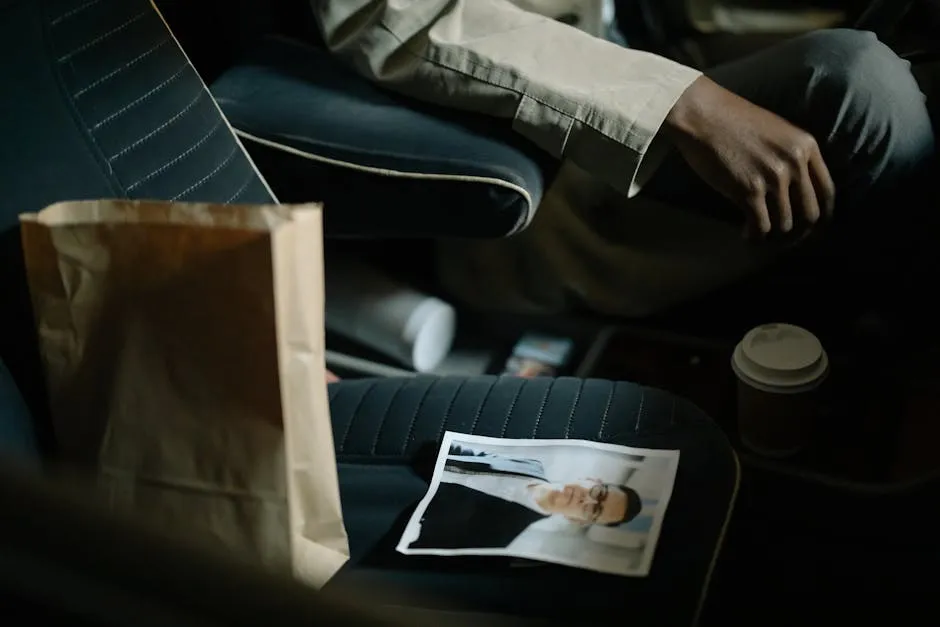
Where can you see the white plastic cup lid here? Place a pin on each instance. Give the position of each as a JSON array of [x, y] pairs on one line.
[[429, 334], [780, 358]]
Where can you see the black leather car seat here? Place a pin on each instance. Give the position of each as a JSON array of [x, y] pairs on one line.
[[99, 101]]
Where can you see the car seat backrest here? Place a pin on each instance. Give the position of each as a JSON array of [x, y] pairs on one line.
[[98, 100]]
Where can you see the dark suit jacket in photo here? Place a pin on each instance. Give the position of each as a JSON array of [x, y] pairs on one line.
[[459, 517]]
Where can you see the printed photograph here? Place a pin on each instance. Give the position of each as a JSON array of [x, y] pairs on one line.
[[582, 504]]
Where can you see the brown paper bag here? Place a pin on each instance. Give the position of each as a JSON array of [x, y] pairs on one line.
[[183, 347]]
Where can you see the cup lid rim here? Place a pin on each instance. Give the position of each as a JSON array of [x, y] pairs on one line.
[[804, 369]]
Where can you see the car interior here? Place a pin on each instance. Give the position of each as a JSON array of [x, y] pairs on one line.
[[240, 102]]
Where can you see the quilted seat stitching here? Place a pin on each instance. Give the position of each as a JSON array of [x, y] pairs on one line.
[[167, 124], [538, 416], [210, 175], [123, 68], [92, 130], [612, 389], [414, 418], [637, 417], [639, 411], [355, 413], [241, 190], [73, 12], [450, 408], [142, 99], [388, 412], [510, 409], [97, 40], [178, 158], [479, 412], [574, 407]]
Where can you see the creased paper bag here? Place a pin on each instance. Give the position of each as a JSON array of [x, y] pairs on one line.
[[183, 347]]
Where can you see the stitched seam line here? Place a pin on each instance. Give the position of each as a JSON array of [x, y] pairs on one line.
[[538, 416], [178, 158], [160, 128], [450, 408], [639, 411], [81, 92], [272, 197], [388, 411], [414, 418], [143, 98], [79, 117], [241, 190], [208, 176], [610, 400], [355, 413], [574, 407], [476, 417], [97, 40], [512, 407], [73, 12]]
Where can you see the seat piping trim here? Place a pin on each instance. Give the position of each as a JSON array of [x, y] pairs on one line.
[[463, 178]]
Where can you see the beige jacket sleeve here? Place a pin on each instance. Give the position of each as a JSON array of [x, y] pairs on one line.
[[576, 96]]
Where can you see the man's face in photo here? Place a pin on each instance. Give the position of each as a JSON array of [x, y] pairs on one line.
[[586, 502]]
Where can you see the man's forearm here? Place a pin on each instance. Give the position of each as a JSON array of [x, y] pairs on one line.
[[574, 95]]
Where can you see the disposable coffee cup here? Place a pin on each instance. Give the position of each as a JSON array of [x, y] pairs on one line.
[[363, 304], [781, 369]]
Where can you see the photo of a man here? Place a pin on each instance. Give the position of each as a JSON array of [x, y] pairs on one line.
[[584, 504], [486, 500]]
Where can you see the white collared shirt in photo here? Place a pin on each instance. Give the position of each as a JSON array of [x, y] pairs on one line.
[[508, 488]]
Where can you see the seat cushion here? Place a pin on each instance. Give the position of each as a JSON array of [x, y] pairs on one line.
[[382, 164], [387, 432]]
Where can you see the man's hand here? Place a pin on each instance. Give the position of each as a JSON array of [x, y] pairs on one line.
[[766, 166]]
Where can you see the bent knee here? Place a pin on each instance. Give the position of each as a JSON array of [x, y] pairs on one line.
[[875, 98], [854, 58]]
